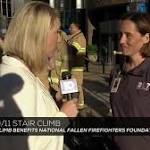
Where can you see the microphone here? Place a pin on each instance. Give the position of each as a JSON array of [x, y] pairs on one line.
[[66, 75], [68, 86]]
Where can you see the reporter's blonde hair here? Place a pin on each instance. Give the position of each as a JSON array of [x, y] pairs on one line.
[[27, 33]]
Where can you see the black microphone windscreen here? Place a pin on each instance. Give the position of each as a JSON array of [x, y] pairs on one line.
[[66, 75]]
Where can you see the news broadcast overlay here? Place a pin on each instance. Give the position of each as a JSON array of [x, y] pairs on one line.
[[78, 126], [68, 86]]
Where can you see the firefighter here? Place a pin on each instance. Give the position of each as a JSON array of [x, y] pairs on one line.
[[77, 51], [60, 62]]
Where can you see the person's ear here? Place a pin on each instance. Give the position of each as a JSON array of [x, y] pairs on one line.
[[146, 38]]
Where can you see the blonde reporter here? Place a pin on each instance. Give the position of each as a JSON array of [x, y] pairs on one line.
[[29, 44]]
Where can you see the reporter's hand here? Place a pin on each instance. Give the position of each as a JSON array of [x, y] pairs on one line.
[[70, 108]]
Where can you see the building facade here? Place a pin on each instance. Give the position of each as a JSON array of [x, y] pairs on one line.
[[103, 15], [106, 18]]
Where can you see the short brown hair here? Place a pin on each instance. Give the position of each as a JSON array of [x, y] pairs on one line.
[[76, 24]]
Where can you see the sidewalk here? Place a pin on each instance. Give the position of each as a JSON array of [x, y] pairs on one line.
[[96, 90]]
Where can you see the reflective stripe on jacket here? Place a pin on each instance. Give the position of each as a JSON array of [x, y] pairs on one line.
[[77, 50]]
